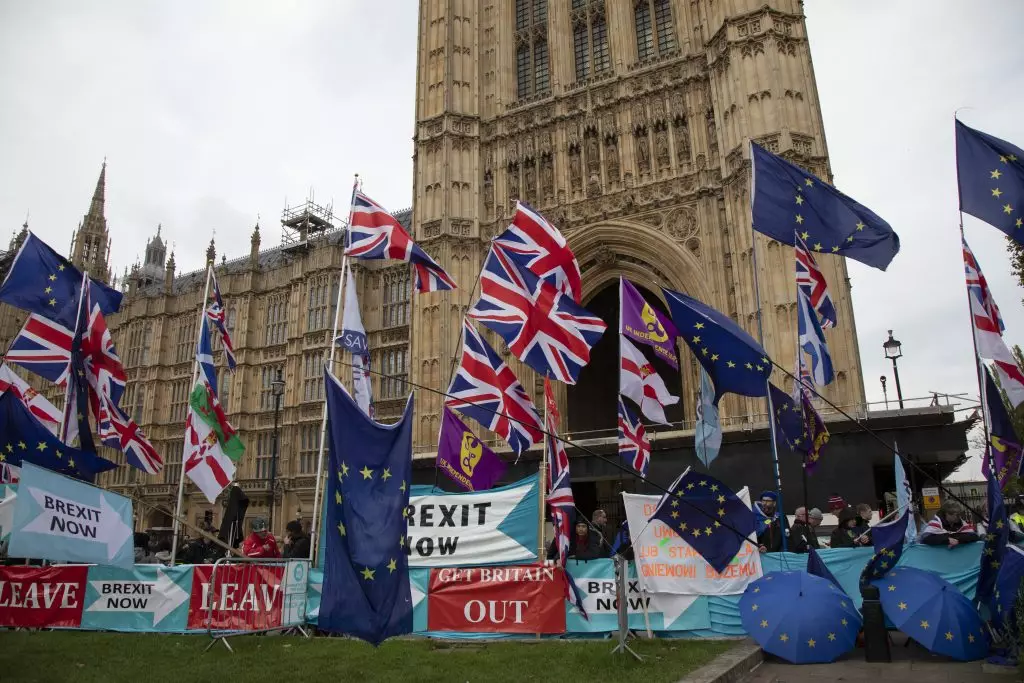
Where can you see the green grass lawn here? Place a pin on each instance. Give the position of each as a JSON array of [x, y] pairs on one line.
[[81, 657]]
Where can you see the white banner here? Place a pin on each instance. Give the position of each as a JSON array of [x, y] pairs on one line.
[[668, 564], [471, 529]]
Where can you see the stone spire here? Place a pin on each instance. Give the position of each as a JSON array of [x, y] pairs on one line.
[[211, 252], [90, 248], [169, 274], [254, 251]]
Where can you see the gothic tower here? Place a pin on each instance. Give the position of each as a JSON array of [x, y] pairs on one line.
[[626, 123], [154, 266], [90, 244]]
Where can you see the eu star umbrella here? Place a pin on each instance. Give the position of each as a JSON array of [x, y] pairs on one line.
[[799, 617], [933, 612]]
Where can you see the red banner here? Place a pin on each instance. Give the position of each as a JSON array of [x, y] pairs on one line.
[[42, 597], [527, 599], [245, 597]]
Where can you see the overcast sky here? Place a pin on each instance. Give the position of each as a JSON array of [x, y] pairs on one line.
[[213, 113]]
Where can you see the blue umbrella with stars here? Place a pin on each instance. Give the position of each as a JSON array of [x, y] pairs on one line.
[[799, 617], [933, 612]]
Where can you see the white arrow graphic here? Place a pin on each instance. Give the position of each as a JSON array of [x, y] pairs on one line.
[[71, 519], [7, 514], [161, 597]]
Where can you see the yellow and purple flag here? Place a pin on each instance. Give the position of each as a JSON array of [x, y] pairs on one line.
[[464, 458], [639, 321]]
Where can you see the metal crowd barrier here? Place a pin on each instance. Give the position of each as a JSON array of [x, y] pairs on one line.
[[245, 596]]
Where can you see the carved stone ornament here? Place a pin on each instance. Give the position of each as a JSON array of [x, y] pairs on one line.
[[431, 229], [593, 154], [604, 256], [682, 136], [488, 189], [513, 152], [575, 168], [547, 176], [643, 152], [611, 158], [682, 223], [661, 147], [530, 180], [513, 182]]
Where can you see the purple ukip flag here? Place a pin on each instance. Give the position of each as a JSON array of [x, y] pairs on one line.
[[464, 458], [639, 321]]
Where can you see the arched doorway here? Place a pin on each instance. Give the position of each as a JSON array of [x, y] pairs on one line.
[[592, 401]]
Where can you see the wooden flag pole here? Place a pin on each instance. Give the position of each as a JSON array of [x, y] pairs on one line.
[[542, 488]]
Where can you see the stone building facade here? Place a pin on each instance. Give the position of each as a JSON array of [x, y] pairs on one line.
[[624, 121]]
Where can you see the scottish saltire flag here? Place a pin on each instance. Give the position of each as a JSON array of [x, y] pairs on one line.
[[904, 496], [42, 281], [811, 281], [817, 567], [990, 173], [533, 243], [24, 439], [707, 435], [485, 389], [366, 590], [37, 404], [706, 514], [542, 326], [1003, 451], [353, 339], [376, 234], [217, 314], [788, 198], [639, 382], [43, 347], [734, 361], [634, 446], [997, 537], [64, 520], [812, 341], [888, 539], [640, 322], [204, 355], [988, 329]]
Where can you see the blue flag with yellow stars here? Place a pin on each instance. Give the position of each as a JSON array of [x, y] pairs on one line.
[[991, 176], [42, 281], [734, 361], [997, 536], [788, 198], [799, 426], [366, 569], [708, 516], [888, 539], [24, 439]]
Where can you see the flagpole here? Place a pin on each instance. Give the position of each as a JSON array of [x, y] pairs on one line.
[[318, 490], [70, 388], [781, 510], [195, 376], [799, 387]]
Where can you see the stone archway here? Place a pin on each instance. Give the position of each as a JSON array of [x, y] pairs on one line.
[[650, 259]]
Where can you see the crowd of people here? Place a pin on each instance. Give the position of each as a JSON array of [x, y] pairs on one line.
[[260, 543]]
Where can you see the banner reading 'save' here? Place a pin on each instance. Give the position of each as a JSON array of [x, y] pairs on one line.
[[667, 564], [514, 599]]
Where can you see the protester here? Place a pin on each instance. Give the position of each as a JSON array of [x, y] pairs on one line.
[[142, 554], [584, 545], [1017, 522], [260, 543], [948, 527], [770, 524], [836, 504], [864, 517], [803, 535], [599, 523], [163, 552], [296, 542], [844, 535]]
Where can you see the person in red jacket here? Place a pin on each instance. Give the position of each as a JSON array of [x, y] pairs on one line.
[[260, 543]]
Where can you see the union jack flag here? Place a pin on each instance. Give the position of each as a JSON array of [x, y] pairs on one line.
[[374, 233], [537, 245], [102, 364], [486, 390], [43, 346], [811, 281], [634, 447], [137, 449], [218, 316], [543, 327], [990, 320]]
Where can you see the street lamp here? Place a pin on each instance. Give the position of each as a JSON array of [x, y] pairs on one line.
[[277, 388], [893, 350], [884, 394]]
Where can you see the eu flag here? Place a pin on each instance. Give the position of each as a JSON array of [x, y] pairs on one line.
[[788, 198], [997, 537], [731, 357], [991, 176], [888, 539], [708, 516], [817, 567], [799, 426], [42, 281], [1003, 452], [24, 439], [366, 570]]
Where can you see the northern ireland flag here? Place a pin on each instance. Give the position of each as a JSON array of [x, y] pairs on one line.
[[639, 382], [212, 446]]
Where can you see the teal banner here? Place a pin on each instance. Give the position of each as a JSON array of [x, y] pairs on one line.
[[145, 598]]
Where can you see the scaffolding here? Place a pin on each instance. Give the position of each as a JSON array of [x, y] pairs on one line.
[[305, 224]]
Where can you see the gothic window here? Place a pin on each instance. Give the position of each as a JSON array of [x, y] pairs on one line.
[[533, 74], [313, 376], [654, 38], [590, 38], [138, 335], [277, 320], [394, 365], [172, 461], [309, 447], [397, 289], [264, 454], [179, 399], [224, 394], [323, 300], [268, 373], [133, 401], [184, 350]]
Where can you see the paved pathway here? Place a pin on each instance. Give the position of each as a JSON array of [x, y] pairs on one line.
[[911, 664]]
